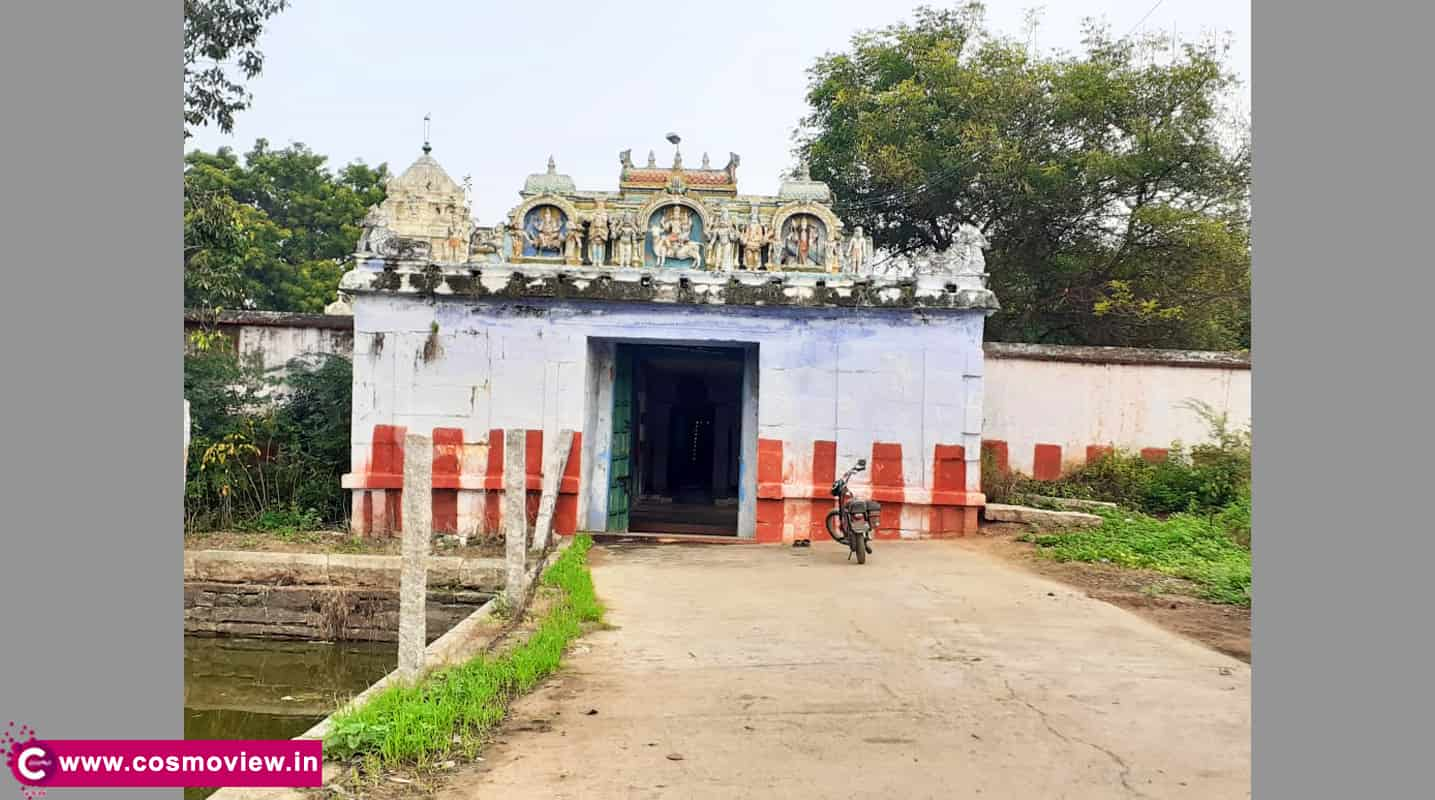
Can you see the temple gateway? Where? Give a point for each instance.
(720, 356)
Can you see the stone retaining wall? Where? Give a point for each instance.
(324, 596)
(331, 613)
(335, 569)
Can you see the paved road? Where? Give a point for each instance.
(933, 671)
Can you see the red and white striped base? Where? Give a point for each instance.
(792, 499)
(789, 509)
(467, 492)
(1048, 462)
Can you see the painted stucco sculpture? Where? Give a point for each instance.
(425, 215)
(662, 218)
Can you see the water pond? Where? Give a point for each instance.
(270, 689)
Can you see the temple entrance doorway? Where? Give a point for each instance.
(685, 404)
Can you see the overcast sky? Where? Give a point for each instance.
(509, 83)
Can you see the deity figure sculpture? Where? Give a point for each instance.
(598, 235)
(485, 241)
(754, 238)
(546, 234)
(517, 236)
(375, 231)
(790, 243)
(573, 246)
(723, 243)
(802, 245)
(672, 237)
(967, 256)
(833, 250)
(858, 252)
(678, 223)
(626, 237)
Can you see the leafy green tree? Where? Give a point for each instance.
(1116, 206)
(218, 35)
(212, 246)
(291, 223)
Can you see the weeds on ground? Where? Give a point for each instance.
(288, 523)
(1208, 477)
(1201, 547)
(452, 710)
(352, 545)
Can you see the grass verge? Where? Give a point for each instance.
(1202, 548)
(451, 710)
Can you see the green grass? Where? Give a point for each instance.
(1206, 549)
(453, 709)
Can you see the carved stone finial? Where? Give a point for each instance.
(552, 166)
(341, 307)
(652, 159)
(706, 164)
(804, 172)
(427, 119)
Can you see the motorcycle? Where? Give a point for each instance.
(855, 520)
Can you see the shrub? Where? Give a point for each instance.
(265, 464)
(1208, 477)
(1235, 519)
(287, 519)
(997, 485)
(1117, 476)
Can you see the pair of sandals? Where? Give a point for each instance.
(801, 542)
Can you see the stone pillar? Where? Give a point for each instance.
(555, 461)
(187, 426)
(417, 534)
(515, 511)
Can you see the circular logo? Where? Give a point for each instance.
(34, 763)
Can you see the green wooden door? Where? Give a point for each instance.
(620, 457)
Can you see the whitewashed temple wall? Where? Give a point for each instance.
(832, 386)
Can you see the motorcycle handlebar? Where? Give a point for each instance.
(846, 476)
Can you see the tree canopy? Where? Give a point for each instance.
(218, 35)
(271, 232)
(1113, 195)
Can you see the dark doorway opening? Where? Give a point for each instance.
(686, 406)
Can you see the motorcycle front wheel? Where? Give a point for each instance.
(834, 524)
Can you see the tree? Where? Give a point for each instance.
(1117, 212)
(219, 34)
(212, 245)
(288, 225)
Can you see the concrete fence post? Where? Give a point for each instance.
(515, 512)
(554, 462)
(417, 536)
(187, 426)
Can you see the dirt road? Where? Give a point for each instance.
(933, 671)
